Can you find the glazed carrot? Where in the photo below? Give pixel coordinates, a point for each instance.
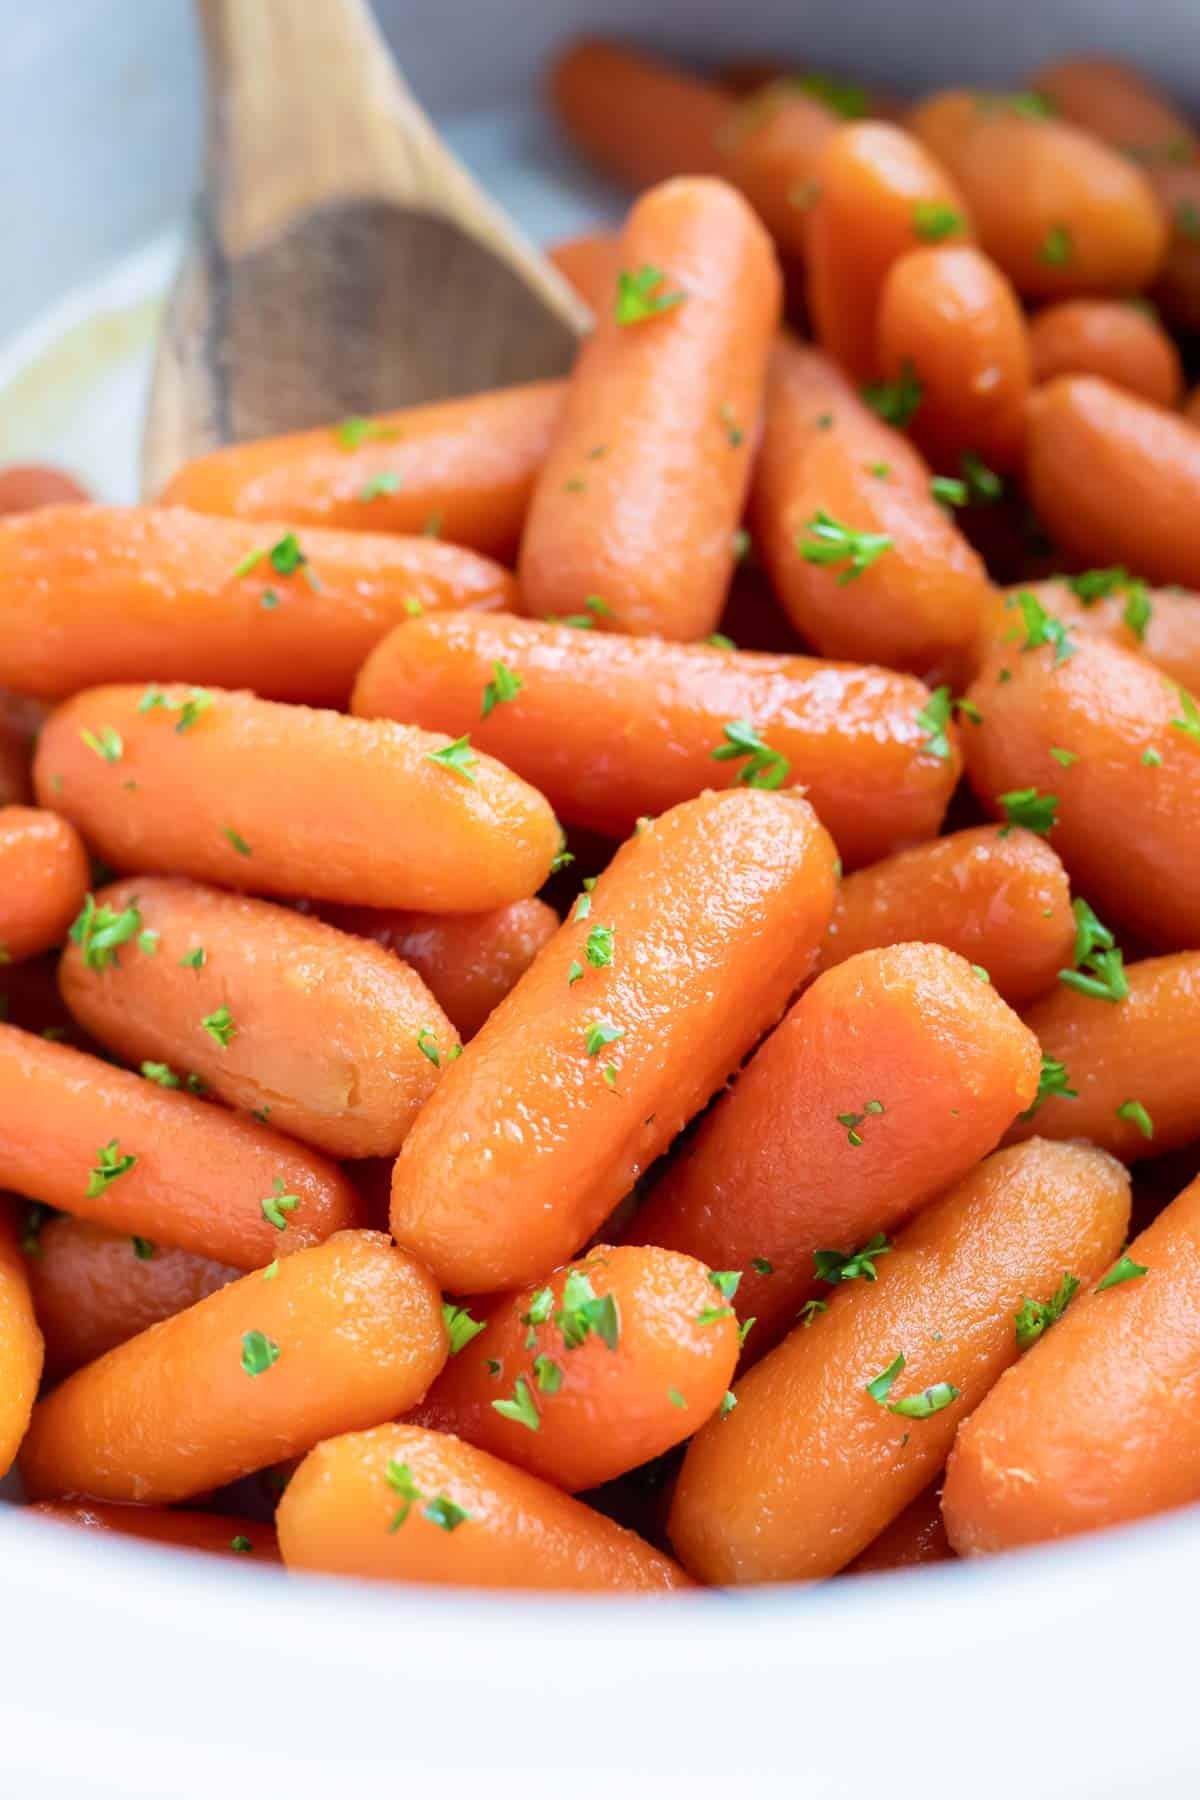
(1177, 290)
(663, 978)
(93, 1289)
(1115, 102)
(95, 594)
(216, 1533)
(1163, 624)
(1059, 211)
(1129, 1062)
(915, 1537)
(402, 1504)
(468, 961)
(1111, 338)
(951, 321)
(879, 194)
(867, 564)
(461, 469)
(1121, 803)
(1101, 1423)
(91, 1139)
(634, 512)
(1002, 902)
(43, 878)
(772, 144)
(815, 1459)
(638, 119)
(20, 1340)
(612, 728)
(333, 1036)
(1114, 479)
(339, 1338)
(887, 1080)
(287, 800)
(26, 486)
(590, 263)
(609, 1363)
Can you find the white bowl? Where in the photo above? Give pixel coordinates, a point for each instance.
(130, 1671)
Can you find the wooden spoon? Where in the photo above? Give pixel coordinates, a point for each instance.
(342, 262)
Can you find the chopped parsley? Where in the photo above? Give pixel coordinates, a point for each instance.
(460, 1326)
(109, 1164)
(983, 484)
(1099, 967)
(583, 1311)
(1190, 722)
(948, 490)
(197, 703)
(640, 295)
(505, 685)
(458, 756)
(914, 1406)
(934, 717)
(100, 932)
(831, 1266)
(1025, 806)
(1057, 247)
(933, 221)
(599, 948)
(852, 1121)
(1124, 1270)
(1033, 1317)
(353, 432)
(1041, 627)
(601, 1032)
(220, 1026)
(108, 744)
(238, 841)
(162, 1074)
(143, 1249)
(830, 543)
(763, 767)
(1135, 1113)
(1053, 1081)
(520, 1409)
(896, 401)
(386, 482)
(278, 1204)
(259, 1352)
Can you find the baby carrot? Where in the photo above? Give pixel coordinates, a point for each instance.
(842, 502)
(1130, 1079)
(468, 961)
(1114, 479)
(841, 1427)
(1093, 747)
(950, 322)
(287, 800)
(94, 594)
(334, 1036)
(402, 1504)
(590, 263)
(665, 975)
(93, 1289)
(124, 1152)
(1101, 1422)
(636, 118)
(879, 194)
(216, 1533)
(1059, 211)
(1114, 339)
(20, 1340)
(772, 143)
(915, 1537)
(887, 1080)
(633, 516)
(462, 470)
(1115, 102)
(612, 728)
(43, 878)
(26, 486)
(610, 1362)
(1162, 623)
(339, 1338)
(1001, 901)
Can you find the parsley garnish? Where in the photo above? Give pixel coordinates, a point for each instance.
(505, 684)
(1053, 1080)
(143, 1249)
(161, 1074)
(933, 221)
(983, 484)
(1042, 627)
(853, 1120)
(1025, 806)
(845, 98)
(427, 1045)
(355, 431)
(1125, 1270)
(1057, 247)
(460, 1326)
(241, 1544)
(764, 767)
(399, 1478)
(109, 1165)
(277, 1204)
(726, 1281)
(100, 932)
(728, 1402)
(520, 1409)
(386, 482)
(915, 1406)
(198, 702)
(637, 298)
(948, 490)
(832, 1266)
(1190, 722)
(1099, 969)
(445, 1513)
(1136, 1114)
(1033, 1317)
(195, 959)
(830, 543)
(934, 717)
(599, 948)
(107, 743)
(258, 1352)
(457, 756)
(896, 401)
(601, 1032)
(583, 1311)
(238, 841)
(548, 1374)
(220, 1026)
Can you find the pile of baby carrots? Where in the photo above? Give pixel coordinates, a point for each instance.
(525, 1063)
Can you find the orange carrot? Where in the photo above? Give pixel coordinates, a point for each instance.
(1163, 624)
(286, 800)
(403, 1504)
(1111, 338)
(95, 594)
(664, 976)
(772, 145)
(216, 1533)
(337, 1039)
(1115, 102)
(915, 1538)
(1002, 902)
(634, 512)
(43, 878)
(637, 119)
(843, 1426)
(341, 1337)
(125, 1153)
(20, 1341)
(590, 263)
(887, 1080)
(612, 728)
(609, 1363)
(26, 486)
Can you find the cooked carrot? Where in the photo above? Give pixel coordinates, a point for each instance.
(1002, 902)
(610, 1362)
(878, 195)
(43, 878)
(468, 961)
(93, 1289)
(867, 564)
(915, 1537)
(633, 514)
(1177, 290)
(887, 1080)
(26, 486)
(663, 978)
(333, 1036)
(772, 143)
(1114, 479)
(20, 1340)
(1163, 624)
(950, 321)
(1114, 339)
(95, 594)
(216, 1533)
(402, 1504)
(612, 728)
(1101, 1423)
(590, 263)
(1059, 211)
(91, 1139)
(339, 1338)
(1099, 751)
(638, 119)
(1129, 1062)
(292, 801)
(1115, 102)
(843, 1425)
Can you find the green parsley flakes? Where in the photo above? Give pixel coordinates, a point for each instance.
(830, 543)
(762, 768)
(505, 685)
(109, 1165)
(259, 1352)
(641, 296)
